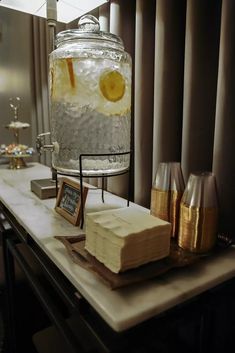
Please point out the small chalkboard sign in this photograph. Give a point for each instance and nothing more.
(68, 202)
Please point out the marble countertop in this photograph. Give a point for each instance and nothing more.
(122, 308)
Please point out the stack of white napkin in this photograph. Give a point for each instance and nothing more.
(126, 238)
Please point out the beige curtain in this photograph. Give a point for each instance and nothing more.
(183, 91)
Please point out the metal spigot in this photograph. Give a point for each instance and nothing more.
(40, 143)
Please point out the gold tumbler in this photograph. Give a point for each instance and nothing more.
(199, 213)
(166, 193)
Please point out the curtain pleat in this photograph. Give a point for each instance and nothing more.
(122, 23)
(40, 57)
(200, 84)
(168, 81)
(104, 17)
(143, 106)
(223, 156)
(115, 17)
(104, 11)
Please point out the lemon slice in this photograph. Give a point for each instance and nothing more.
(112, 85)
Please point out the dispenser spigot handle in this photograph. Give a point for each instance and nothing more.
(40, 143)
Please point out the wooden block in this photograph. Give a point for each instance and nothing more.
(44, 188)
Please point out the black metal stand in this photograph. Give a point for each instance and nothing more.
(102, 176)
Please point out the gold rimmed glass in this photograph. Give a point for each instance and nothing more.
(199, 213)
(166, 193)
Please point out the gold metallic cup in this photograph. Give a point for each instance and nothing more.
(166, 193)
(199, 214)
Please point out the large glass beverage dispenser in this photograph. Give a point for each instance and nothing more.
(90, 101)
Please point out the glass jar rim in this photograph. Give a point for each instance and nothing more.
(76, 34)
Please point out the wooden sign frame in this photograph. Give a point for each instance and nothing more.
(68, 201)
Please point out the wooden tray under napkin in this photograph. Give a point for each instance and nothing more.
(177, 258)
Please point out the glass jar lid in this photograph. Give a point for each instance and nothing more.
(88, 29)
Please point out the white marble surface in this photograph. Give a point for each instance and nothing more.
(122, 308)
